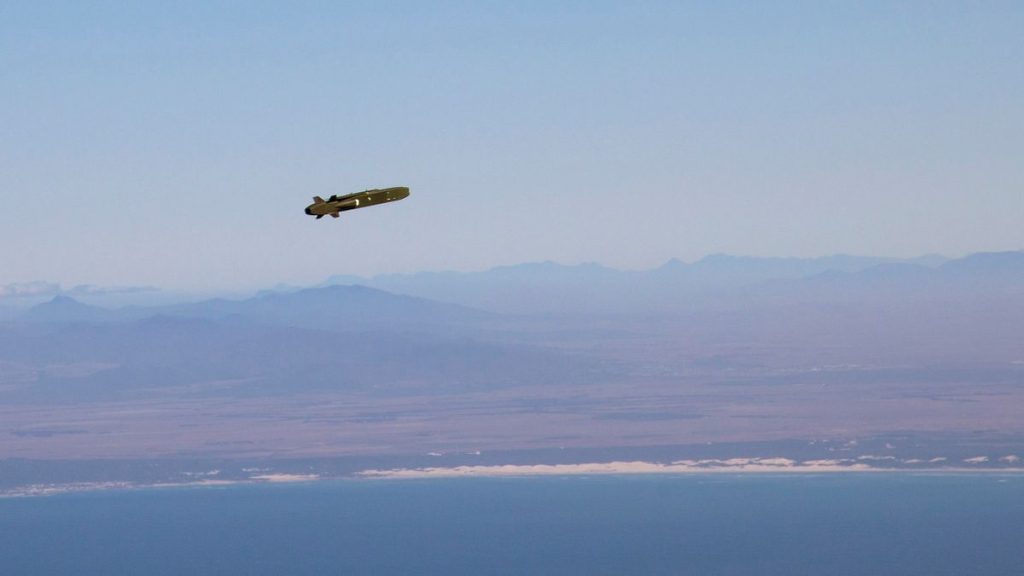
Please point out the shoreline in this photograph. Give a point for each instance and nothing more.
(736, 466)
(683, 467)
(42, 490)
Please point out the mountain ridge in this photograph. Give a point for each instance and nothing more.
(448, 298)
(551, 288)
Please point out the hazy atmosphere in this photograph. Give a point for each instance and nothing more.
(548, 288)
(166, 146)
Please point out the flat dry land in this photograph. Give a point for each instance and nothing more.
(655, 411)
(638, 383)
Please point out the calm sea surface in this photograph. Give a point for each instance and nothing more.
(750, 525)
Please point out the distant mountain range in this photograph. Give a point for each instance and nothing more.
(349, 338)
(338, 308)
(228, 357)
(528, 325)
(434, 301)
(550, 288)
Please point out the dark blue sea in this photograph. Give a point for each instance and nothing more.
(868, 525)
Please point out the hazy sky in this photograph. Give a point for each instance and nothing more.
(176, 144)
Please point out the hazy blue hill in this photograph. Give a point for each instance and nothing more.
(66, 309)
(929, 260)
(744, 269)
(342, 308)
(994, 275)
(336, 308)
(1002, 264)
(549, 271)
(9, 313)
(450, 302)
(719, 277)
(336, 337)
(880, 280)
(551, 288)
(530, 272)
(194, 356)
(966, 308)
(979, 276)
(523, 288)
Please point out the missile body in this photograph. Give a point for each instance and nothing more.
(337, 204)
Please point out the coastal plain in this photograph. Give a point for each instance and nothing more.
(336, 380)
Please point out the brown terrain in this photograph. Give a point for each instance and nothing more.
(291, 377)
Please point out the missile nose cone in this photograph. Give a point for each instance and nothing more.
(308, 211)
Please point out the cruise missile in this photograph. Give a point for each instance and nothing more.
(337, 204)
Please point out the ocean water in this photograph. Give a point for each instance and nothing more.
(702, 525)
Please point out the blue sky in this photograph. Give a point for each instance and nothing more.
(151, 144)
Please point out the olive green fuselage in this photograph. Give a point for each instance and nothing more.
(335, 204)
